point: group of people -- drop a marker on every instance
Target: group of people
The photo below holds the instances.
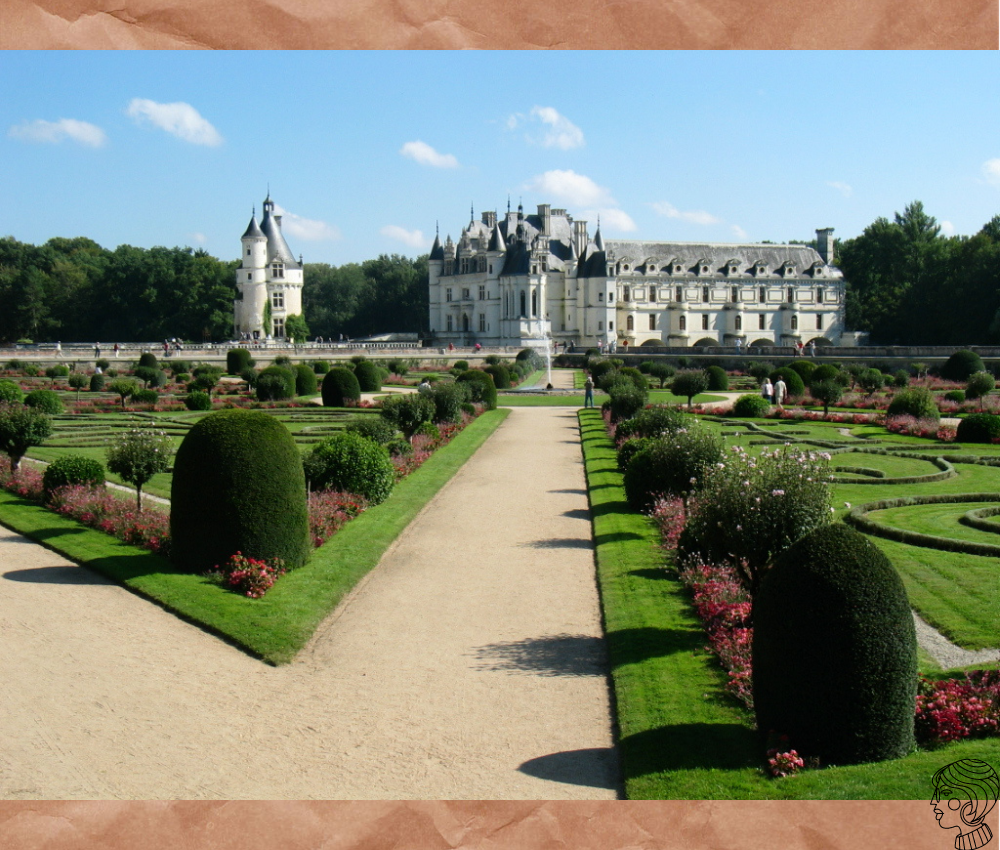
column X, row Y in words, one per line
column 775, row 393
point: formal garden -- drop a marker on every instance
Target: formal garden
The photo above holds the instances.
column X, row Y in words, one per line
column 761, row 647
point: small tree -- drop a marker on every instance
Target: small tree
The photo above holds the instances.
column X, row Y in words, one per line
column 139, row 454
column 125, row 387
column 689, row 384
column 826, row 393
column 21, row 428
column 296, row 328
column 662, row 372
column 871, row 381
column 980, row 385
column 408, row 412
column 78, row 381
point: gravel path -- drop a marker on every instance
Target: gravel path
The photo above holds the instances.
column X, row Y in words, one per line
column 470, row 664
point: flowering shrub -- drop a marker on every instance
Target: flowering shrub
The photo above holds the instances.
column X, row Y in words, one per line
column 669, row 516
column 249, row 576
column 102, row 509
column 752, row 508
column 954, row 709
column 25, row 481
column 329, row 510
column 913, row 427
column 784, row 764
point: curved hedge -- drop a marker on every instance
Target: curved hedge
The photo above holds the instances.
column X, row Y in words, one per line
column 238, row 486
column 977, row 519
column 835, row 650
column 340, row 387
column 947, row 470
column 353, row 464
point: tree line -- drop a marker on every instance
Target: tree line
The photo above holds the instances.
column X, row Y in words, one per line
column 74, row 290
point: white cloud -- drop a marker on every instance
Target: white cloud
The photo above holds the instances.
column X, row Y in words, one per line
column 611, row 218
column 991, row 171
column 576, row 189
column 308, row 229
column 557, row 131
column 426, row 155
column 178, row 119
column 843, row 188
column 198, row 238
column 694, row 217
column 55, row 131
column 413, row 238
column 947, row 228
column 739, row 232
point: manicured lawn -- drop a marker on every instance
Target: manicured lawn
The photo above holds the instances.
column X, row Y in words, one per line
column 682, row 736
column 276, row 627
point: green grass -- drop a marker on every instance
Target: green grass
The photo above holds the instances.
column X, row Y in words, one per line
column 682, row 736
column 276, row 627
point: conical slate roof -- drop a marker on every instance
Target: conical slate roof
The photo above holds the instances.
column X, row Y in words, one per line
column 437, row 252
column 253, row 229
column 277, row 247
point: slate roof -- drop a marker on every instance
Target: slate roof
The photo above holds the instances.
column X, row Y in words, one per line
column 253, row 229
column 277, row 247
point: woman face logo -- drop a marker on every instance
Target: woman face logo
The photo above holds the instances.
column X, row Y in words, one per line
column 965, row 792
column 948, row 808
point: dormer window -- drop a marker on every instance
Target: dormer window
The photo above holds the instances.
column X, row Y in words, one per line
column 733, row 269
column 277, row 269
column 788, row 270
column 704, row 269
column 760, row 269
column 678, row 268
column 651, row 268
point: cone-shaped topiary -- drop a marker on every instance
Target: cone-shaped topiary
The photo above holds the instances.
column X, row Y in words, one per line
column 483, row 388
column 500, row 375
column 340, row 388
column 835, row 651
column 305, row 379
column 718, row 380
column 238, row 360
column 368, row 376
column 238, row 487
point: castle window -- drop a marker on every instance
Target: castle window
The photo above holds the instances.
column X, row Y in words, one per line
column 704, row 321
column 248, row 252
column 819, row 294
column 278, row 300
column 704, row 269
column 482, row 264
column 448, row 324
column 682, row 323
column 652, row 321
column 524, row 305
column 760, row 322
column 762, row 294
column 465, row 323
column 611, row 326
column 819, row 321
column 449, row 266
column 600, row 326
column 677, row 269
column 482, row 322
column 791, row 295
column 277, row 269
column 447, row 295
column 482, row 293
column 600, row 296
column 795, row 323
column 738, row 324
column 278, row 326
column 704, row 294
column 465, row 293
column 652, row 293
column 630, row 323
column 534, row 303
column 734, row 294
column 679, row 293
column 626, row 294
column 249, row 276
column 464, row 267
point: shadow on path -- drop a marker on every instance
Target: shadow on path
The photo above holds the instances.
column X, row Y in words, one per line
column 55, row 575
column 550, row 655
column 593, row 768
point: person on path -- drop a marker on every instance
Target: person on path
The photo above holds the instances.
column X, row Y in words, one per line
column 117, row 349
column 424, row 387
column 767, row 390
column 58, row 349
column 739, row 345
column 588, row 392
column 780, row 391
column 812, row 348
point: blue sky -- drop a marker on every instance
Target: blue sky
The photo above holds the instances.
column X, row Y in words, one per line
column 366, row 151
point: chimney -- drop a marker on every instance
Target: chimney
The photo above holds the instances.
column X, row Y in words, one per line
column 545, row 214
column 824, row 244
column 580, row 236
column 489, row 219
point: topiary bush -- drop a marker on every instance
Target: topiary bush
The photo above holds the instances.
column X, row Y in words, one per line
column 751, row 406
column 827, row 372
column 59, row 371
column 148, row 359
column 146, row 397
column 901, row 378
column 917, row 402
column 375, row 428
column 978, row 428
column 689, row 384
column 320, row 367
column 448, row 398
column 11, row 392
column 826, row 392
column 340, row 388
column 835, row 651
column 238, row 360
column 718, row 380
column 368, row 376
column 198, row 400
column 275, row 383
column 238, row 486
column 668, row 464
column 662, row 372
column 870, row 380
column 961, row 365
column 351, row 463
column 980, row 385
column 793, row 381
column 635, row 376
column 955, row 395
column 305, row 380
column 625, row 400
column 500, row 375
column 460, row 366
column 481, row 386
column 96, row 383
column 47, row 401
column 805, row 369
column 630, row 448
column 72, row 469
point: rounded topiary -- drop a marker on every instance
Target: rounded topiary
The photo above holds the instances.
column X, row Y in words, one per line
column 635, row 376
column 11, row 392
column 718, row 380
column 448, row 398
column 238, row 360
column 238, row 486
column 599, row 368
column 835, row 651
column 978, row 428
column 275, row 383
column 625, row 400
column 793, row 381
column 961, row 365
column 825, row 372
column 805, row 369
column 146, row 397
column 340, row 388
column 980, row 384
column 461, row 365
column 914, row 401
column 47, row 401
column 305, row 380
column 72, row 469
column 751, row 406
column 656, row 421
column 368, row 376
column 198, row 400
column 96, row 383
column 482, row 387
column 351, row 463
column 320, row 367
column 629, row 449
column 375, row 428
column 147, row 358
column 955, row 395
column 500, row 375
column 59, row 371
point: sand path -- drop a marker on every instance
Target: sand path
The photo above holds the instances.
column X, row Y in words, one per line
column 470, row 665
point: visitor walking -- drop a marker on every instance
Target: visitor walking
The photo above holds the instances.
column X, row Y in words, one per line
column 588, row 392
column 424, row 387
column 812, row 348
column 117, row 349
column 780, row 391
column 58, row 349
column 767, row 390
column 739, row 345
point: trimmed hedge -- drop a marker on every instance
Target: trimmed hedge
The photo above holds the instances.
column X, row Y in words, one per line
column 918, row 402
column 667, row 465
column 148, row 359
column 482, row 387
column 10, row 391
column 353, row 464
column 238, row 486
column 500, row 375
column 340, row 387
column 198, row 400
column 974, row 428
column 375, row 428
column 961, row 365
column 793, row 381
column 47, row 401
column 238, row 360
column 275, row 383
column 368, row 375
column 835, row 651
column 947, row 470
column 753, row 406
column 305, row 380
column 72, row 469
column 718, row 380
column 96, row 383
column 977, row 519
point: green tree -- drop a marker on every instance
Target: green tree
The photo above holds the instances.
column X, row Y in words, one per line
column 125, row 387
column 21, row 428
column 689, row 384
column 296, row 328
column 78, row 381
column 138, row 455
